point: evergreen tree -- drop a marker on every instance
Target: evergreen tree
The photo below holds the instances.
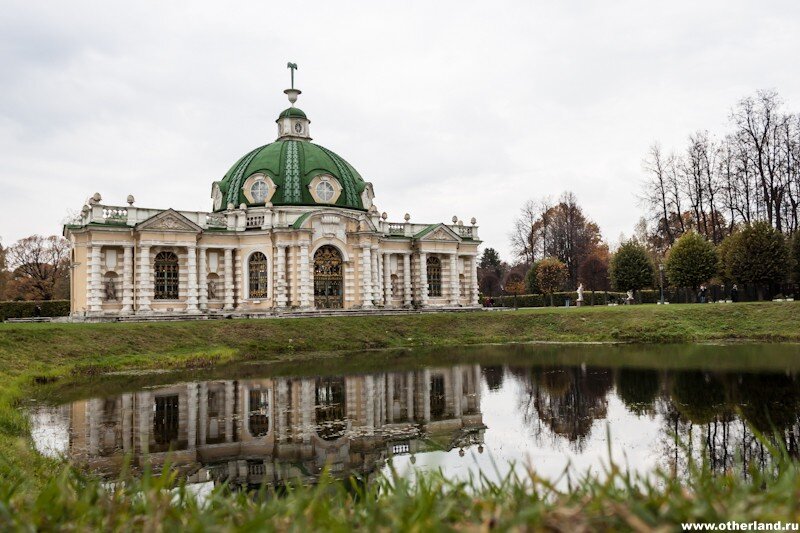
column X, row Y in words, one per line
column 691, row 261
column 630, row 268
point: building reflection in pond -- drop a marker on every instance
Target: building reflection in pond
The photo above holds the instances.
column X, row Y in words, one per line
column 255, row 431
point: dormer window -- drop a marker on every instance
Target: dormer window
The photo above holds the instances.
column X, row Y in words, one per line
column 259, row 191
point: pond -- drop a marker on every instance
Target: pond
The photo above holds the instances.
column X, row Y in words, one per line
column 470, row 410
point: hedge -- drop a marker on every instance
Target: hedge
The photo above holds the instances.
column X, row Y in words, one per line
column 28, row 309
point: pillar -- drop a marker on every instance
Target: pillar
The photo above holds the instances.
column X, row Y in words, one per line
column 145, row 283
column 95, row 304
column 366, row 277
column 202, row 281
column 280, row 272
column 458, row 390
column 228, row 280
column 144, row 414
column 238, row 281
column 127, row 280
column 390, row 397
column 473, row 269
column 407, row 280
column 305, row 285
column 191, row 266
column 387, row 278
column 422, row 288
column 454, row 288
column 426, row 395
column 127, row 422
column 375, row 276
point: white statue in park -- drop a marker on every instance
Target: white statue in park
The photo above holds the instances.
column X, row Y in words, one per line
column 629, row 300
column 580, row 294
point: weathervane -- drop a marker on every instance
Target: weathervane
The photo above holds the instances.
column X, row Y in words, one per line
column 293, row 67
column 292, row 93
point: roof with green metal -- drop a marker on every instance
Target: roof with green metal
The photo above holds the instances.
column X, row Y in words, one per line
column 292, row 112
column 292, row 164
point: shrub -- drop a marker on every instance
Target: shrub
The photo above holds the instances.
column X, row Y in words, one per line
column 691, row 262
column 630, row 268
column 28, row 309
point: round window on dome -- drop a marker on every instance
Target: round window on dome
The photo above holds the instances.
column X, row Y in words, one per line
column 259, row 191
column 325, row 191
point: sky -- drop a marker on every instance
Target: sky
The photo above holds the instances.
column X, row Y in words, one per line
column 448, row 108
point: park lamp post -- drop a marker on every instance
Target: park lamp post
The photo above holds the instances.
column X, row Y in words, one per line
column 661, row 277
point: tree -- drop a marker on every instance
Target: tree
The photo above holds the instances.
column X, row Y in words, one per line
column 561, row 231
column 514, row 285
column 551, row 274
column 491, row 271
column 531, row 281
column 593, row 271
column 40, row 267
column 691, row 261
column 631, row 268
column 759, row 255
column 489, row 259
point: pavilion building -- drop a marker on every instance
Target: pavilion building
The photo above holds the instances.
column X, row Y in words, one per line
column 293, row 227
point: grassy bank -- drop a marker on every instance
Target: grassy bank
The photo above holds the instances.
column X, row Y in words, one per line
column 31, row 353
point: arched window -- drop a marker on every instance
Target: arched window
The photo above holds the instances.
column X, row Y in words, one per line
column 258, row 275
column 166, row 276
column 434, row 276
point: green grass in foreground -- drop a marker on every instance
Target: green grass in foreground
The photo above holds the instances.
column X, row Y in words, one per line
column 31, row 352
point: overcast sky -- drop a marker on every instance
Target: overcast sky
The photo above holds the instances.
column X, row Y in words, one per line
column 448, row 108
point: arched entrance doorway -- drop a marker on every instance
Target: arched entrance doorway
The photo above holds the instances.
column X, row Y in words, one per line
column 328, row 278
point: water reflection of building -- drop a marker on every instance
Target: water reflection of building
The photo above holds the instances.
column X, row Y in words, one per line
column 270, row 430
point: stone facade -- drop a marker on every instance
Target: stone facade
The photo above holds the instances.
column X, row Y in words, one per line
column 115, row 251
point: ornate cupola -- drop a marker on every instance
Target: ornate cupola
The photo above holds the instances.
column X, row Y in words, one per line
column 292, row 122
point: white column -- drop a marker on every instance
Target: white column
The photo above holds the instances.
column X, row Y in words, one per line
column 473, row 268
column 374, row 275
column 280, row 270
column 95, row 280
column 238, row 281
column 390, row 398
column 407, row 279
column 202, row 282
column 144, row 415
column 191, row 265
column 422, row 294
column 454, row 288
column 366, row 278
column 127, row 280
column 228, row 279
column 145, row 283
column 127, row 422
column 305, row 286
column 387, row 278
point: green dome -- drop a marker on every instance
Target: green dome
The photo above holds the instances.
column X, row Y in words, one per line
column 292, row 164
column 292, row 112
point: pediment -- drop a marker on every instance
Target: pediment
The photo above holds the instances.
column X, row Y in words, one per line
column 440, row 233
column 169, row 220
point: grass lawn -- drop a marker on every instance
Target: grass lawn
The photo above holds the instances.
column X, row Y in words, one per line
column 43, row 352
